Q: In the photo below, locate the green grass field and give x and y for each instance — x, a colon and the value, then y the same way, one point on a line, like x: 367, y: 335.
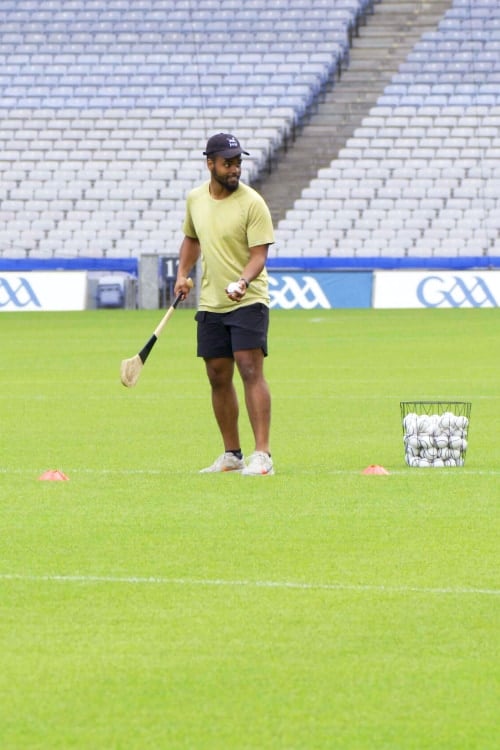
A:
x: 146, y: 606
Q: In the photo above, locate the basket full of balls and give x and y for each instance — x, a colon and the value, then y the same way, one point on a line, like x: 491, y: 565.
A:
x: 435, y: 433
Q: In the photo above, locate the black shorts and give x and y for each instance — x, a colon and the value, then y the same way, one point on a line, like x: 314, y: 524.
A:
x: 221, y: 334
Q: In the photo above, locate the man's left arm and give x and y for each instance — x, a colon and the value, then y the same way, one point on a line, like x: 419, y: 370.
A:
x: 255, y: 265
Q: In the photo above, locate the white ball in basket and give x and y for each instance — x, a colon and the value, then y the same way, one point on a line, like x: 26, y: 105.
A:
x: 458, y: 443
x: 447, y: 420
x: 441, y: 440
x: 423, y: 463
x: 410, y: 423
x: 425, y: 441
x: 435, y: 428
x: 411, y: 442
x: 430, y: 453
x: 424, y: 423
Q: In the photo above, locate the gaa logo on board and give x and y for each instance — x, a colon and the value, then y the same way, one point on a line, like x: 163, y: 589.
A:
x: 305, y: 292
x: 435, y: 291
x: 19, y: 295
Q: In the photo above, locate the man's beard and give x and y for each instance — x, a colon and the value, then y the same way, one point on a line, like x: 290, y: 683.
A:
x: 230, y: 184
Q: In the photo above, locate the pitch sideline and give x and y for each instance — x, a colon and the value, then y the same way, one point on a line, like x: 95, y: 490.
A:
x: 332, y: 472
x: 218, y: 582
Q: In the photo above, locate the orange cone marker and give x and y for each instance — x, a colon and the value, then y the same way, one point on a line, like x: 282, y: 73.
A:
x: 53, y: 475
x: 375, y: 469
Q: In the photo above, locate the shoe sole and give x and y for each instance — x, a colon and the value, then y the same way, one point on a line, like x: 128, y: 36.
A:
x: 257, y: 473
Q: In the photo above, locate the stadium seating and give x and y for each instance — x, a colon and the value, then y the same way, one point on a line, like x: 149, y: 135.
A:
x: 424, y: 167
x: 110, y: 103
x: 105, y: 107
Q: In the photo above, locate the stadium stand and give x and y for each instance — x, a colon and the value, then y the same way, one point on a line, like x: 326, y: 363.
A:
x: 105, y: 108
x: 421, y: 176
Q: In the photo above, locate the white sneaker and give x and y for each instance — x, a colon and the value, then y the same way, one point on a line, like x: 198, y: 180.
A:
x: 259, y: 464
x: 226, y: 462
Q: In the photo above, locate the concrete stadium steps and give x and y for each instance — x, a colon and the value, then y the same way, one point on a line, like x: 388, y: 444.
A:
x: 381, y: 43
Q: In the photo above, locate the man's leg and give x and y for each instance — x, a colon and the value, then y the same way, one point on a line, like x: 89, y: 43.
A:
x: 250, y: 363
x: 220, y: 373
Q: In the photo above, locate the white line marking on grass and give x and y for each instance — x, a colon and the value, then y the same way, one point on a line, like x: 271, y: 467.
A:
x: 332, y: 472
x: 207, y: 582
x: 411, y: 472
x: 152, y: 396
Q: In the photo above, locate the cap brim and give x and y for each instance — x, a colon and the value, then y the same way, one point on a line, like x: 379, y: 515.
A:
x: 228, y: 153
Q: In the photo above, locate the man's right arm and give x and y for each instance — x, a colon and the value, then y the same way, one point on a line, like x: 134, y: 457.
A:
x: 188, y: 255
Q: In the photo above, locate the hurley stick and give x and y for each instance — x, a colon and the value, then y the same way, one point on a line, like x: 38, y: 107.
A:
x: 130, y: 369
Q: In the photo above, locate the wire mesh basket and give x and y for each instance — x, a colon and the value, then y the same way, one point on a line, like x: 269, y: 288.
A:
x: 435, y: 433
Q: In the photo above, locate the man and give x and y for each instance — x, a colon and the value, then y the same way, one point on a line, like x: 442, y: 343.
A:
x: 229, y: 225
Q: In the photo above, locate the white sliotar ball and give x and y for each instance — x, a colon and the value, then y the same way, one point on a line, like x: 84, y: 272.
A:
x: 423, y: 463
x: 412, y: 442
x: 447, y: 420
x: 441, y: 440
x: 425, y: 441
x: 410, y: 423
x: 458, y: 443
x: 410, y: 451
x: 233, y: 287
x: 435, y: 428
x: 430, y: 453
x: 423, y: 423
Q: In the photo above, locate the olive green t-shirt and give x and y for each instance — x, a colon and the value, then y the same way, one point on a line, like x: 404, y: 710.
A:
x: 226, y: 229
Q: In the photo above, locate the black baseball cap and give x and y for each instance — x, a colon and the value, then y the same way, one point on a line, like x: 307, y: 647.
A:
x: 225, y: 145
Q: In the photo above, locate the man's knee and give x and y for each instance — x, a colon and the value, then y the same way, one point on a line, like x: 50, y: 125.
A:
x: 219, y: 372
x: 250, y: 365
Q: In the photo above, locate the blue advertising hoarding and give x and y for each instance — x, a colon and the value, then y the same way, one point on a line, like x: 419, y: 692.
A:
x: 322, y: 290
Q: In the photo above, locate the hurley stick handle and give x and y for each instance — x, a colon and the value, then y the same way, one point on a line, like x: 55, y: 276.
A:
x: 163, y: 322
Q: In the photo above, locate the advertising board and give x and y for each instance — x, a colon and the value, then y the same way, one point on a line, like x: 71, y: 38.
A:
x: 436, y: 289
x: 324, y: 290
x: 43, y: 290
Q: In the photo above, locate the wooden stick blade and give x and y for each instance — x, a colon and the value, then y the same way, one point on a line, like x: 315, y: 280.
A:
x: 130, y: 370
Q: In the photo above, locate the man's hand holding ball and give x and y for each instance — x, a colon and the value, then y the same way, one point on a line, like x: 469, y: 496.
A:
x: 236, y: 289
